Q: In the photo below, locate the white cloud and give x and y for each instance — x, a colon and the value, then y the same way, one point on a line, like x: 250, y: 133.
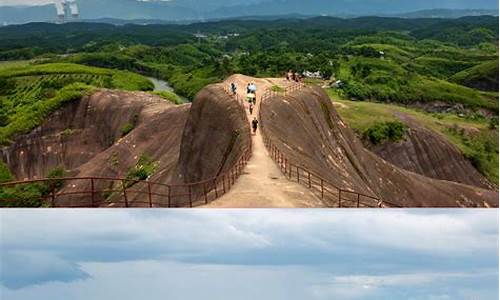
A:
x: 447, y: 233
x: 245, y: 237
x: 360, y: 286
x: 25, y: 2
x: 155, y: 280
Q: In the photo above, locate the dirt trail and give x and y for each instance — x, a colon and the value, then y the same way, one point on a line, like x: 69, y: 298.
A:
x: 263, y: 185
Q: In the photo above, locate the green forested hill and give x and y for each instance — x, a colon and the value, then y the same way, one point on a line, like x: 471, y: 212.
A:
x: 379, y: 59
x: 483, y: 76
x: 28, y: 93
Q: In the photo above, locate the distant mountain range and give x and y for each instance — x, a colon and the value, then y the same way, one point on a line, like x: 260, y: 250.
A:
x: 156, y: 11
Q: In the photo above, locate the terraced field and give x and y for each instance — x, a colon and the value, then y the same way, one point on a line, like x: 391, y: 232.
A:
x: 29, y: 92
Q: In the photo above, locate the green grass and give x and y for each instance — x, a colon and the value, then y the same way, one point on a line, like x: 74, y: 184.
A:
x: 170, y: 96
x: 483, y: 76
x: 144, y: 168
x: 381, y: 132
x: 27, y: 118
x: 31, y: 92
x: 120, y: 79
x: 474, y: 136
x: 409, y: 81
x: 277, y: 89
x: 14, y: 63
x: 28, y: 195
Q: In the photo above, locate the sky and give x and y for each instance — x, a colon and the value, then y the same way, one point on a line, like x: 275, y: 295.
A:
x: 249, y: 254
x: 24, y: 2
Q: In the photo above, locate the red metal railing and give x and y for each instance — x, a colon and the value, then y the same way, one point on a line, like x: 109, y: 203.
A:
x: 123, y: 192
x: 334, y: 196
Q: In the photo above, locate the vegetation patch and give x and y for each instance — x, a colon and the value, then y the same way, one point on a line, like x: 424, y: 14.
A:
x: 26, y: 118
x: 144, y: 168
x: 475, y: 135
x: 30, y: 93
x: 387, y: 131
x: 129, y: 126
x: 29, y: 195
x: 170, y: 96
x: 480, y: 148
x: 277, y: 89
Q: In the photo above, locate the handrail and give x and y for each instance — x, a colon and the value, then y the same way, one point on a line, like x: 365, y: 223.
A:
x: 158, y: 194
x: 338, y: 197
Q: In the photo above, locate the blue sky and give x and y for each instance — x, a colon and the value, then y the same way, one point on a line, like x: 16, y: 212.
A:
x: 249, y: 254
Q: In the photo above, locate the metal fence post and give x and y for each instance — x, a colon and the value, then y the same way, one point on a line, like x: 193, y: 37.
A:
x: 358, y: 202
x: 52, y: 194
x: 190, y: 197
x: 298, y: 175
x: 92, y: 191
x: 309, y: 178
x: 169, y: 195
x: 125, y: 193
x: 216, y: 193
x: 149, y: 195
x: 340, y: 198
x: 205, y: 192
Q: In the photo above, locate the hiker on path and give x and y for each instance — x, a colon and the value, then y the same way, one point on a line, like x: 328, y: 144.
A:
x: 251, y: 98
x: 248, y: 88
x: 255, y: 123
x: 233, y: 88
x: 252, y: 88
x: 250, y: 108
x: 289, y: 75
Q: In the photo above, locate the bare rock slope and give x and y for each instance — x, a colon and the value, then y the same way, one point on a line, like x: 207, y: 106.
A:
x: 307, y: 128
x: 427, y: 153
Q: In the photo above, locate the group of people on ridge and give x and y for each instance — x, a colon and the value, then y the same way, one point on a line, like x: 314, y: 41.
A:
x: 252, y: 100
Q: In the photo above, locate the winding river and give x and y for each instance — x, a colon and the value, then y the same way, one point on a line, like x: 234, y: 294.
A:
x: 162, y: 85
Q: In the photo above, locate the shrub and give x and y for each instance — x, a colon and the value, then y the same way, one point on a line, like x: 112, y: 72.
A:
x: 386, y: 131
x: 5, y: 174
x: 127, y: 128
x: 277, y: 89
x: 28, y: 195
x: 493, y: 123
x: 144, y: 168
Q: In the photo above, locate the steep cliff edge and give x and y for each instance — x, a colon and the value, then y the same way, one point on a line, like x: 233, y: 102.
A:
x: 307, y: 128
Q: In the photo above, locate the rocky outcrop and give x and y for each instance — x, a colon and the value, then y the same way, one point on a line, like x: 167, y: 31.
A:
x: 215, y: 136
x: 85, y: 138
x: 427, y: 153
x: 307, y: 128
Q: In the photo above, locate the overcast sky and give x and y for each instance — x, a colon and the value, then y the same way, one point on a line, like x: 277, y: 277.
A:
x: 259, y: 254
x: 25, y: 2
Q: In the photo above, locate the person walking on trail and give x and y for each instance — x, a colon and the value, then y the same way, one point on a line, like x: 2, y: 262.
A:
x: 248, y: 88
x: 251, y: 98
x: 252, y: 88
x: 233, y: 88
x: 255, y: 123
x: 250, y: 108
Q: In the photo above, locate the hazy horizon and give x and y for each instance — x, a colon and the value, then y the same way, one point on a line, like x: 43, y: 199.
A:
x: 23, y: 11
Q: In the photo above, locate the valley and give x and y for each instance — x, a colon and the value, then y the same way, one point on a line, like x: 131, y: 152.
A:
x: 126, y: 102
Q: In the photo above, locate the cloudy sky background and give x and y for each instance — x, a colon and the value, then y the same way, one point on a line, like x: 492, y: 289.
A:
x: 244, y: 254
